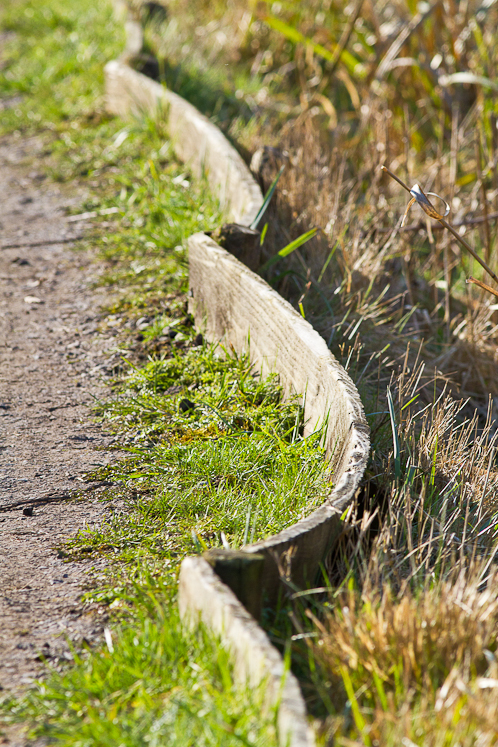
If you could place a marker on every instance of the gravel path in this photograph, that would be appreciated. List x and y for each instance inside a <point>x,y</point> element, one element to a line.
<point>52,360</point>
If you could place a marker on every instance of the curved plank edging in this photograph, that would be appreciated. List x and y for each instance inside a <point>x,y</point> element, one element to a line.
<point>197,141</point>
<point>232,304</point>
<point>330,393</point>
<point>203,596</point>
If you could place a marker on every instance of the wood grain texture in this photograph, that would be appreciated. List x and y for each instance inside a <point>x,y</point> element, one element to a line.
<point>233,305</point>
<point>202,596</point>
<point>197,142</point>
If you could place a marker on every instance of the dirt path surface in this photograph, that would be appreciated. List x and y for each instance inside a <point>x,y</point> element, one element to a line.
<point>52,359</point>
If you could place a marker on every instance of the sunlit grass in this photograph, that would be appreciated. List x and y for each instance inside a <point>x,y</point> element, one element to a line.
<point>150,684</point>
<point>53,60</point>
<point>213,450</point>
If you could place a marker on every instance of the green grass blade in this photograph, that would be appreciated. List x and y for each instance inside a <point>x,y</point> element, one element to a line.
<point>268,196</point>
<point>397,457</point>
<point>290,247</point>
<point>295,36</point>
<point>357,716</point>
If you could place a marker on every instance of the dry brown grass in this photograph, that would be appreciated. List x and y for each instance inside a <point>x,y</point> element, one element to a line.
<point>407,642</point>
<point>423,668</point>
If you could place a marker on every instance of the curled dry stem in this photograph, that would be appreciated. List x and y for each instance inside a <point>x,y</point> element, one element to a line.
<point>482,285</point>
<point>419,196</point>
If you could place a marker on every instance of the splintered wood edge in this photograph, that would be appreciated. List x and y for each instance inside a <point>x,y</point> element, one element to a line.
<point>197,142</point>
<point>204,598</point>
<point>233,305</point>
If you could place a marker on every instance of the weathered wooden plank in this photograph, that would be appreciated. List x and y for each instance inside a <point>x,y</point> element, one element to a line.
<point>234,305</point>
<point>241,571</point>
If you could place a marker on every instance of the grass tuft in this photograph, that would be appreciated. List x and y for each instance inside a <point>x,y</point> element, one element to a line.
<point>151,684</point>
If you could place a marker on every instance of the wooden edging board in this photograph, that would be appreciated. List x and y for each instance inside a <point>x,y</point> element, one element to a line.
<point>233,304</point>
<point>256,661</point>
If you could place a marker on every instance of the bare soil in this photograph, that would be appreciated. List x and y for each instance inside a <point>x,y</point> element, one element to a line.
<point>53,359</point>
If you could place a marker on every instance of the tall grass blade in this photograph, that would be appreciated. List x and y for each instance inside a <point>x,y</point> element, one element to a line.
<point>295,36</point>
<point>358,718</point>
<point>467,78</point>
<point>397,456</point>
<point>266,202</point>
<point>290,247</point>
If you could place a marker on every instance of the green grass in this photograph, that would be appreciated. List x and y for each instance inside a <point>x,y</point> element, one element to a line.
<point>213,450</point>
<point>151,684</point>
<point>54,61</point>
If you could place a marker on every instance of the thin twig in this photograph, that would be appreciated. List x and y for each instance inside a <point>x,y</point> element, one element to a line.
<point>56,497</point>
<point>482,285</point>
<point>465,222</point>
<point>53,498</point>
<point>432,212</point>
<point>45,243</point>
